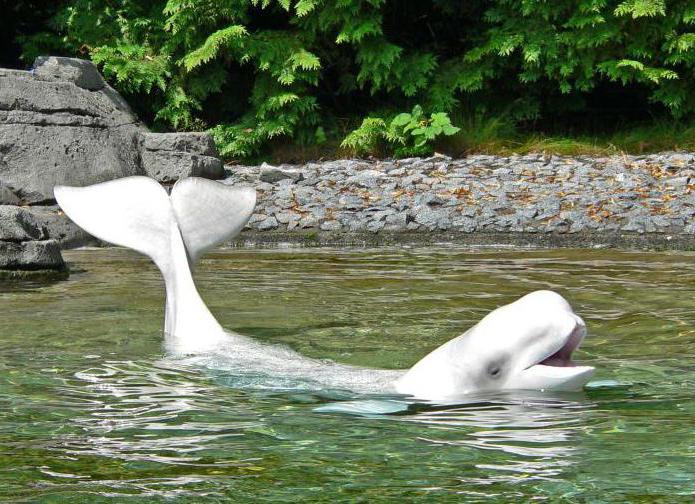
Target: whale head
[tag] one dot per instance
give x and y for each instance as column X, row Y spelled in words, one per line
column 527, row 344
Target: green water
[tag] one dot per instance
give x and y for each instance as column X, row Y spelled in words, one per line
column 91, row 410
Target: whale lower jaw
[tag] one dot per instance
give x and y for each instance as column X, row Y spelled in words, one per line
column 562, row 378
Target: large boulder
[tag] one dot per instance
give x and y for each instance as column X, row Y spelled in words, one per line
column 61, row 125
column 168, row 157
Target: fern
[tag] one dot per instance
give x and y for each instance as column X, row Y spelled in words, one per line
column 255, row 71
column 210, row 48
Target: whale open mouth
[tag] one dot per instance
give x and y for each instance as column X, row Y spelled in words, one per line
column 557, row 371
column 563, row 357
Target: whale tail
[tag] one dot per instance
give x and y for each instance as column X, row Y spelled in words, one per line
column 173, row 231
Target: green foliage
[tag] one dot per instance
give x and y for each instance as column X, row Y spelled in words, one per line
column 367, row 137
column 257, row 72
column 409, row 134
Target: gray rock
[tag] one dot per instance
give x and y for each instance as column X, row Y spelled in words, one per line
column 192, row 143
column 32, row 255
column 36, row 158
column 350, row 202
column 432, row 219
column 82, row 73
column 268, row 224
column 365, row 178
column 19, row 225
column 8, row 196
column 60, row 228
column 62, row 124
column 167, row 166
column 375, row 226
column 53, row 131
column 257, row 217
column 331, row 225
column 102, row 109
column 272, row 174
column 465, row 224
column 308, row 221
column 286, row 217
column 396, row 222
column 430, row 199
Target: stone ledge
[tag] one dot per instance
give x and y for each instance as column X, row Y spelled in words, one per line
column 647, row 241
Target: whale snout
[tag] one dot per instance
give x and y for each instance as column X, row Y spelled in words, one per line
column 557, row 370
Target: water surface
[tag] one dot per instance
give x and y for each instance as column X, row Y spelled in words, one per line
column 91, row 410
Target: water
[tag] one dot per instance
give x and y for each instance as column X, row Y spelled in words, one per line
column 91, row 410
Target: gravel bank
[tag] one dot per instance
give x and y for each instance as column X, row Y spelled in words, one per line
column 634, row 201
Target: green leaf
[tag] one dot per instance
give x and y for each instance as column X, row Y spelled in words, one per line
column 212, row 45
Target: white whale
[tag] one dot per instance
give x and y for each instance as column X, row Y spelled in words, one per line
column 527, row 344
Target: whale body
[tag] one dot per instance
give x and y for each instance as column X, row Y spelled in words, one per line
column 526, row 344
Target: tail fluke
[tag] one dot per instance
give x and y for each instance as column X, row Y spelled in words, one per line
column 209, row 213
column 137, row 213
column 132, row 212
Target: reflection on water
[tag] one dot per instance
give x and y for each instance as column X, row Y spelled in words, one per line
column 90, row 408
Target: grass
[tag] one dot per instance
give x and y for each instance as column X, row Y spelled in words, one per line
column 498, row 135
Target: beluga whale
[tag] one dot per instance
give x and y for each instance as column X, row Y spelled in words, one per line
column 525, row 345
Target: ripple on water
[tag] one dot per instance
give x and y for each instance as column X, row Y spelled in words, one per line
column 90, row 408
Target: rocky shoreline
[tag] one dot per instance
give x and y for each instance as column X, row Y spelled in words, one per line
column 61, row 123
column 625, row 201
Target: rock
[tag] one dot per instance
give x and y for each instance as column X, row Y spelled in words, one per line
column 272, row 174
column 61, row 103
column 31, row 255
column 375, row 226
column 60, row 228
column 19, row 225
column 308, row 221
column 330, row 225
column 167, row 157
column 82, row 72
column 36, row 158
column 267, row 224
column 193, row 143
column 432, row 219
column 286, row 217
column 366, row 178
column 350, row 202
column 8, row 196
column 430, row 199
column 165, row 166
column 396, row 221
column 62, row 123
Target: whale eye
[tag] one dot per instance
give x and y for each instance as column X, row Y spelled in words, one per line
column 494, row 370
column 495, row 367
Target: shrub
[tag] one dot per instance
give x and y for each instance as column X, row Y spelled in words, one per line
column 258, row 70
column 408, row 134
